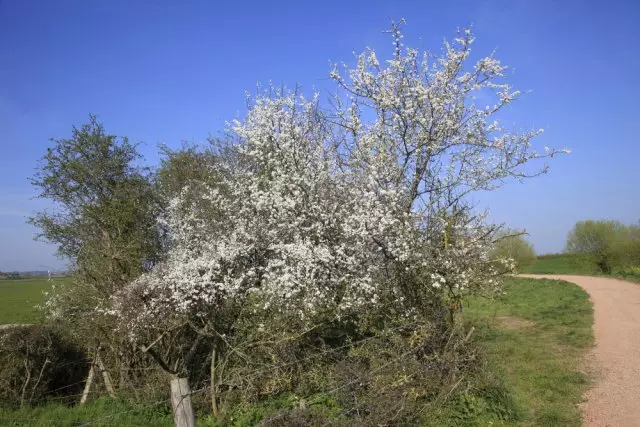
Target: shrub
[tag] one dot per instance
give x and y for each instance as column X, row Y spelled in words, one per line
column 390, row 377
column 514, row 246
column 606, row 244
column 626, row 250
column 595, row 240
column 38, row 363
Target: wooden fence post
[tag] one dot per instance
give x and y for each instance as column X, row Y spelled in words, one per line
column 87, row 385
column 181, row 403
column 106, row 377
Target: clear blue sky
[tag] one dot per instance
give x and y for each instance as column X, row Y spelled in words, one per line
column 169, row 71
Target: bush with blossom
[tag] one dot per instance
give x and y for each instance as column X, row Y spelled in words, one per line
column 344, row 211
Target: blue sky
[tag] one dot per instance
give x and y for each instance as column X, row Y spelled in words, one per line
column 173, row 71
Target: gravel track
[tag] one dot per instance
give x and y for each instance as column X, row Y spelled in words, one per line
column 614, row 399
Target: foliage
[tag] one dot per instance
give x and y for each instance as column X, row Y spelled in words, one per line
column 188, row 167
column 101, row 196
column 626, row 251
column 512, row 245
column 104, row 222
column 612, row 247
column 38, row 362
column 596, row 240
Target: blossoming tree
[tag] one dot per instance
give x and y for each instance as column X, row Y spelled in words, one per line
column 351, row 211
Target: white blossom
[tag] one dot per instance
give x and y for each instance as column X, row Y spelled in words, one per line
column 322, row 205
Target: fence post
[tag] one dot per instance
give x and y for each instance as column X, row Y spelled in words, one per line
column 87, row 385
column 181, row 403
column 106, row 377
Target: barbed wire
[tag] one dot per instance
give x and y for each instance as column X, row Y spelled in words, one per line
column 329, row 350
column 359, row 380
column 315, row 398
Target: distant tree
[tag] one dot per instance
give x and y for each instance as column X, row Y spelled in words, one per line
column 626, row 250
column 14, row 275
column 512, row 245
column 596, row 240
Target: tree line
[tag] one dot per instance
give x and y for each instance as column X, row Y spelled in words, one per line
column 609, row 245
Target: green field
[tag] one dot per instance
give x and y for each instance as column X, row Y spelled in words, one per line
column 533, row 340
column 575, row 264
column 560, row 264
column 19, row 298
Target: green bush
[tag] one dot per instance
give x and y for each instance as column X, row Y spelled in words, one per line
column 610, row 246
column 512, row 245
column 627, row 250
column 595, row 240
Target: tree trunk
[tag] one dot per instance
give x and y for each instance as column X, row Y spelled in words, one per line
column 33, row 390
column 214, row 392
column 26, row 380
column 181, row 403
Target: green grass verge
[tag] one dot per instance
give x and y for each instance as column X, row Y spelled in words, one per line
column 19, row 298
column 98, row 413
column 536, row 336
column 631, row 274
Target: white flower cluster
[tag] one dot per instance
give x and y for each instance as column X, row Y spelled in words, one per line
column 322, row 207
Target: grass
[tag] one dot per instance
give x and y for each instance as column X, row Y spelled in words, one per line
column 577, row 265
column 98, row 413
column 536, row 336
column 560, row 264
column 19, row 298
column 631, row 274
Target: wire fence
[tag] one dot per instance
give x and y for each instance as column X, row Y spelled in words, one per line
column 143, row 413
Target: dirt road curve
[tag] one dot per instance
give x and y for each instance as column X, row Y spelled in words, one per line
column 614, row 401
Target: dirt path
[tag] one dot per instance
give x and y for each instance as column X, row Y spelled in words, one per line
column 615, row 398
